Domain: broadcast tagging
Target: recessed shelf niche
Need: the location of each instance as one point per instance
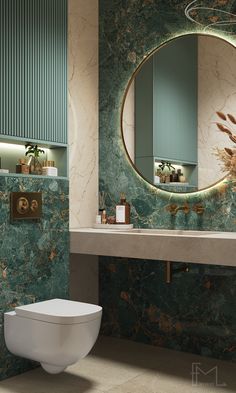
(13, 149)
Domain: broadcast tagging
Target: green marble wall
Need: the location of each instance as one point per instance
(34, 255)
(128, 31)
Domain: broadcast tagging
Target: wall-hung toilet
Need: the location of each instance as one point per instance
(56, 333)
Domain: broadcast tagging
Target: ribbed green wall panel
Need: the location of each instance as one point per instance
(33, 69)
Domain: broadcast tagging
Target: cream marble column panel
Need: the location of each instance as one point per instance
(83, 111)
(216, 92)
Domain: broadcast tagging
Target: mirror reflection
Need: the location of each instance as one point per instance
(169, 114)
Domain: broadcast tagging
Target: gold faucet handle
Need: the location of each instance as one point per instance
(198, 208)
(172, 209)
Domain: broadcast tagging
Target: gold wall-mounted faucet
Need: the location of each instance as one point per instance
(173, 209)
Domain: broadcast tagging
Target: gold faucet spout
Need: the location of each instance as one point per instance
(185, 208)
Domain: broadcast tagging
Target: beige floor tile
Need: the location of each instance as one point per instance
(132, 387)
(121, 366)
(172, 368)
(38, 381)
(105, 373)
(163, 383)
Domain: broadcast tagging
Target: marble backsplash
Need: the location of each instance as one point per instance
(134, 298)
(34, 255)
(122, 48)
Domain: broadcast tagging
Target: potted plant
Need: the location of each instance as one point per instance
(166, 164)
(33, 151)
(165, 169)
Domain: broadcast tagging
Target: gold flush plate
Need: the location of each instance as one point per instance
(26, 205)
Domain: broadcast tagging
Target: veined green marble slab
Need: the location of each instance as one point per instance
(201, 316)
(34, 255)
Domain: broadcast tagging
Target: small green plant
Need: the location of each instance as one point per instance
(33, 150)
(166, 164)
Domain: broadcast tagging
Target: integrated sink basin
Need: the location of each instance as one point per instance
(180, 232)
(175, 232)
(204, 247)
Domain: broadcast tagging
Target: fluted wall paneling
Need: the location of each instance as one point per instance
(33, 69)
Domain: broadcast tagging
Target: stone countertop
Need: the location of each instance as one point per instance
(216, 248)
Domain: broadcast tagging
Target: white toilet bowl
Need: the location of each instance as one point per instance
(56, 333)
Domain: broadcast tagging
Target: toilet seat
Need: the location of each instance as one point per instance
(60, 311)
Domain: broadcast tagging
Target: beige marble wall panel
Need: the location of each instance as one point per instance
(83, 111)
(216, 92)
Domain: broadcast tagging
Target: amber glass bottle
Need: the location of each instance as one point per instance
(123, 211)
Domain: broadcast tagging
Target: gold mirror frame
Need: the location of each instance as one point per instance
(145, 59)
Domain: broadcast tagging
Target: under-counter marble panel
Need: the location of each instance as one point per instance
(83, 111)
(195, 313)
(34, 255)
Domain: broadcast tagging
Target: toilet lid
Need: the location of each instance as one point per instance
(60, 311)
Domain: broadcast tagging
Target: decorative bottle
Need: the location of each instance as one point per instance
(123, 211)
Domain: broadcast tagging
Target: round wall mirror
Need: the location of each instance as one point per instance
(169, 112)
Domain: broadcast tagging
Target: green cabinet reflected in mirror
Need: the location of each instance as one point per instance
(169, 112)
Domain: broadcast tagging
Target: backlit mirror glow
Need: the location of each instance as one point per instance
(169, 113)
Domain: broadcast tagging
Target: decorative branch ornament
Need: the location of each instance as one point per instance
(227, 155)
(211, 15)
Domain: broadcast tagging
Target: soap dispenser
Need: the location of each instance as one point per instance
(123, 211)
